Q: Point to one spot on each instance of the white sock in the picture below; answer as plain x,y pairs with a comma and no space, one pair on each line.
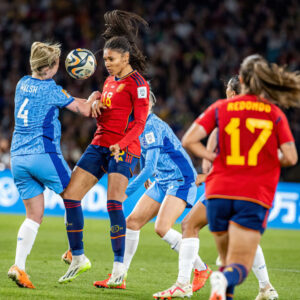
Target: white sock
174,238
259,268
131,244
26,237
76,259
187,255
118,268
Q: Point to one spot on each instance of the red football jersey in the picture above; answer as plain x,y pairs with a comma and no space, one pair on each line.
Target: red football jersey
127,101
247,167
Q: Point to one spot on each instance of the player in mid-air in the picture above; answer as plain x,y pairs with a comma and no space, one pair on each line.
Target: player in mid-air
196,218
251,128
36,159
115,148
172,191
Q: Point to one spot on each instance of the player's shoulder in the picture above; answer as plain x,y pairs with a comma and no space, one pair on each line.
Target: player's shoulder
153,121
136,78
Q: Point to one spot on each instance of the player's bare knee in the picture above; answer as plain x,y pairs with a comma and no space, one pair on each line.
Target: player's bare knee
36,217
133,223
161,229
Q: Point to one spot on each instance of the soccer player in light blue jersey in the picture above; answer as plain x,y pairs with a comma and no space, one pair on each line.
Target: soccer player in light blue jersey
36,159
172,191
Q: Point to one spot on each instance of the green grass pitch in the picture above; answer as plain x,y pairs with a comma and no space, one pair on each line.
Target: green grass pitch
154,267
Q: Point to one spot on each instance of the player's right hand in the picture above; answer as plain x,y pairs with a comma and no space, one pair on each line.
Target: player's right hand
206,166
200,179
96,108
147,183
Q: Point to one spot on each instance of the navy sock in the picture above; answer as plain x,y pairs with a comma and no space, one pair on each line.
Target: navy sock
117,228
74,225
230,292
235,274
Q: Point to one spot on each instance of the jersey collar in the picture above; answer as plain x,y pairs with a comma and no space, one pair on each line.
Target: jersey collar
127,75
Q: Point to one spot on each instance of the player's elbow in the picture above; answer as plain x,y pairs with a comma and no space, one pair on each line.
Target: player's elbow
290,155
292,159
185,142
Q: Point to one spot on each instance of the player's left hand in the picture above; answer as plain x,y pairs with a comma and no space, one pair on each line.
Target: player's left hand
96,108
115,150
200,179
147,183
96,95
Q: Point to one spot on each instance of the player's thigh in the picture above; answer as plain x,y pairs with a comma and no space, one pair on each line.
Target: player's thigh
178,197
145,210
35,208
119,173
80,183
170,210
28,187
242,245
89,169
194,220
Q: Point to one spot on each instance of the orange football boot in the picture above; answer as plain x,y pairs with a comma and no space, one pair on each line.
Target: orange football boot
200,277
20,277
67,257
103,284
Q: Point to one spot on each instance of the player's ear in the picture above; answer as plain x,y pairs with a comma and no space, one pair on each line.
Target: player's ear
126,57
241,79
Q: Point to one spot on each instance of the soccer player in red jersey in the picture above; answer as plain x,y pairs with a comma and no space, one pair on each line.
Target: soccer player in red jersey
196,219
121,116
242,183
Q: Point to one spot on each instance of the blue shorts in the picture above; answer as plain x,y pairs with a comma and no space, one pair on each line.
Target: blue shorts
220,212
98,160
203,199
186,192
32,173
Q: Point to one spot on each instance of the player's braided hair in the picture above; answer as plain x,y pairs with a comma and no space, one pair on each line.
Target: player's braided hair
121,34
279,85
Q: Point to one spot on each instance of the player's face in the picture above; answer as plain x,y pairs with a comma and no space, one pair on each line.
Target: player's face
230,92
115,61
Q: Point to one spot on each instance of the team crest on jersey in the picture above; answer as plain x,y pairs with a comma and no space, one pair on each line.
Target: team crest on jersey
150,138
142,92
121,87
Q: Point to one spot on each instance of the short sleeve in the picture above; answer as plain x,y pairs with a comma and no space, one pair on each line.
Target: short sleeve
61,97
153,138
284,134
208,119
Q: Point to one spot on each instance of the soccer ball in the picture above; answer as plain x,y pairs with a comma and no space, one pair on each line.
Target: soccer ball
80,63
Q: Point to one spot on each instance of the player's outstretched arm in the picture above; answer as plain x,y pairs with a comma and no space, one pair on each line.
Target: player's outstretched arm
151,160
83,106
191,141
211,146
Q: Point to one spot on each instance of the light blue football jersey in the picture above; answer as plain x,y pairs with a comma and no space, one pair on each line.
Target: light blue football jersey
37,128
173,162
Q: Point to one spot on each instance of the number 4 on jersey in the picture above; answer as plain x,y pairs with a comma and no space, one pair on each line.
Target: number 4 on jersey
23,113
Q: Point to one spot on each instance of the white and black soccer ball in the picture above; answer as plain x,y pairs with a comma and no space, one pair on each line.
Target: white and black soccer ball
80,63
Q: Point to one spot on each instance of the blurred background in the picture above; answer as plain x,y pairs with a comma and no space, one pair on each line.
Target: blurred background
193,48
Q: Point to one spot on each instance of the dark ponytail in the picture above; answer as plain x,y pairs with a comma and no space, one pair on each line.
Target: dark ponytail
121,34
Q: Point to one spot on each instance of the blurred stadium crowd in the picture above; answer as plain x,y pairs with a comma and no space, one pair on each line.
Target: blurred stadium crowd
193,47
